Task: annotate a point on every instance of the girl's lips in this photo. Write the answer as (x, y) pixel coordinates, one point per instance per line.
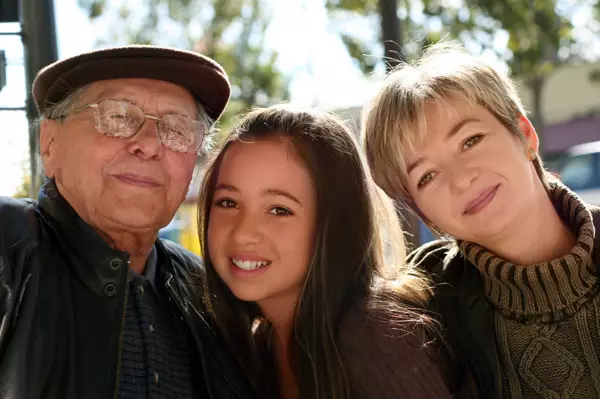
(248, 273)
(248, 256)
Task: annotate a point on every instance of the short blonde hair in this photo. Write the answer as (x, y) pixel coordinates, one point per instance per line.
(396, 118)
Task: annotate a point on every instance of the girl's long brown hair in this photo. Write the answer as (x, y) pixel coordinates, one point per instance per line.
(356, 229)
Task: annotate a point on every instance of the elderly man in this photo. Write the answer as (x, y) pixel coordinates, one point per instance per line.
(92, 305)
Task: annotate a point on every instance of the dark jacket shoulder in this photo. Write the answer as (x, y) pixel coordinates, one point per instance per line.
(189, 262)
(18, 221)
(387, 355)
(433, 257)
(469, 362)
(595, 211)
(19, 235)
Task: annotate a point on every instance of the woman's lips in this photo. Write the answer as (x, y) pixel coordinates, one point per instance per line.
(481, 201)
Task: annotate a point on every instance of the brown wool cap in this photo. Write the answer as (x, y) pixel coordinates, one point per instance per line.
(200, 75)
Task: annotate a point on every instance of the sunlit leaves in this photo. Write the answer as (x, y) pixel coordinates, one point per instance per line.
(229, 31)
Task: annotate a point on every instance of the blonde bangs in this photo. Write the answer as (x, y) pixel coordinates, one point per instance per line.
(392, 123)
(396, 119)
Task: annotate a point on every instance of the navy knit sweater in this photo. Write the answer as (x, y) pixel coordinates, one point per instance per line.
(155, 360)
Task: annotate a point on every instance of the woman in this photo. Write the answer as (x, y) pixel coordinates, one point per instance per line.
(448, 137)
(295, 275)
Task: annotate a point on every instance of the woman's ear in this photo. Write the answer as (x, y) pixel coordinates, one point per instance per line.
(531, 138)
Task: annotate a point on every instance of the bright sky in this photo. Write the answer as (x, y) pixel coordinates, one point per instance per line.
(323, 74)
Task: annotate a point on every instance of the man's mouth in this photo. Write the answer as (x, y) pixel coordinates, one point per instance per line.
(136, 180)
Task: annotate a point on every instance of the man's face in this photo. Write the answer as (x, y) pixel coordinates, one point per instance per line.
(131, 184)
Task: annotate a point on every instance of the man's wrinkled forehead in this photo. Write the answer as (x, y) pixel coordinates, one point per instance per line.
(139, 91)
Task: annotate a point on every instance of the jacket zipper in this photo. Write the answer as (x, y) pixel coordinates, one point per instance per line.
(120, 344)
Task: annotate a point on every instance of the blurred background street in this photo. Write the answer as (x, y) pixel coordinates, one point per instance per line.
(331, 54)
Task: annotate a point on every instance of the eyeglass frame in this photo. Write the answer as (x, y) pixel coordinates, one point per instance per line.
(145, 115)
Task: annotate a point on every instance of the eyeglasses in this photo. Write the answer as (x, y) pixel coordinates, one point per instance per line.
(122, 119)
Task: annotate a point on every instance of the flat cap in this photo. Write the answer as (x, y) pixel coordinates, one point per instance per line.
(204, 78)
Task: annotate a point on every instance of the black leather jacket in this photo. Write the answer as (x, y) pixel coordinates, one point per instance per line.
(62, 307)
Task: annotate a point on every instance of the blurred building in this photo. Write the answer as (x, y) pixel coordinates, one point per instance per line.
(183, 229)
(570, 107)
(570, 136)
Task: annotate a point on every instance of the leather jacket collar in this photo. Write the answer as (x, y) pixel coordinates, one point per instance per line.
(96, 264)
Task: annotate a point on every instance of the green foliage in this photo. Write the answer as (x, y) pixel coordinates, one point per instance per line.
(537, 31)
(23, 190)
(540, 33)
(95, 7)
(230, 31)
(357, 50)
(362, 7)
(367, 54)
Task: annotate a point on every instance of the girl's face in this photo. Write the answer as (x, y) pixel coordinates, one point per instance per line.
(262, 220)
(470, 176)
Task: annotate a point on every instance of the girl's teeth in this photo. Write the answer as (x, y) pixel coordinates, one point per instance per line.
(249, 265)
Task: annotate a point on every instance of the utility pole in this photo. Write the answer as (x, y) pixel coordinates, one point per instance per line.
(391, 34)
(391, 38)
(40, 49)
(9, 13)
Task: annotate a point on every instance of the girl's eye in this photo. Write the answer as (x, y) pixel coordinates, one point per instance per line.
(471, 141)
(425, 179)
(280, 211)
(225, 203)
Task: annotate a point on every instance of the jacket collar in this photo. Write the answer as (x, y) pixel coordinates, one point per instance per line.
(464, 301)
(101, 268)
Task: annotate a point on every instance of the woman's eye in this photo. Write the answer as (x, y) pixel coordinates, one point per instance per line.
(425, 179)
(225, 203)
(279, 211)
(471, 141)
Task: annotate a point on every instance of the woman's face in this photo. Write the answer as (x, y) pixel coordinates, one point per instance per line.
(262, 220)
(470, 176)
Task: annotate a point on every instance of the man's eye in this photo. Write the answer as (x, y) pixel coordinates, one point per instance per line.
(120, 119)
(180, 135)
(116, 116)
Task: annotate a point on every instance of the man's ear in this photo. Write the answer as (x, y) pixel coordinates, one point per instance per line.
(49, 146)
(531, 138)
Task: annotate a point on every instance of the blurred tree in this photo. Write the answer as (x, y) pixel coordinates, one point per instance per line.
(23, 191)
(540, 37)
(395, 41)
(344, 13)
(540, 33)
(390, 33)
(230, 31)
